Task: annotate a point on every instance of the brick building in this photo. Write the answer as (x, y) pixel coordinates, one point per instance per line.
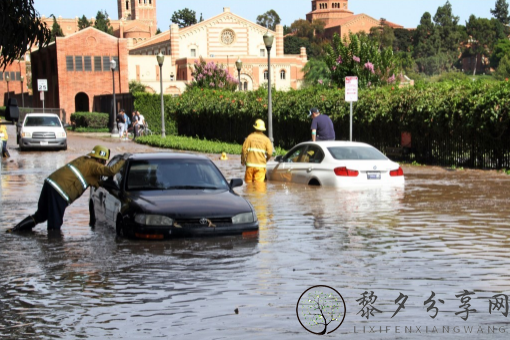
(77, 68)
(14, 72)
(338, 19)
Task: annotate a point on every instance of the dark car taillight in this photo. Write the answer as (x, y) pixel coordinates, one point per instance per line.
(343, 171)
(398, 172)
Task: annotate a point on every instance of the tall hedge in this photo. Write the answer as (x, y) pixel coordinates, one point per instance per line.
(467, 112)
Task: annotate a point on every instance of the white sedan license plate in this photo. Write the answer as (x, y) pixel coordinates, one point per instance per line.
(44, 143)
(373, 175)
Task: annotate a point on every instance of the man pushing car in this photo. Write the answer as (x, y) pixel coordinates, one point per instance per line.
(67, 184)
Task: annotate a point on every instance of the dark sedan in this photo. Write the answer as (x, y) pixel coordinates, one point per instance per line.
(163, 195)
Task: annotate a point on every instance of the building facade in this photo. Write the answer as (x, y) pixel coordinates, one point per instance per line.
(222, 39)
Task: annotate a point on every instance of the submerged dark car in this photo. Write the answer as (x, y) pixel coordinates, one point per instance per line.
(166, 195)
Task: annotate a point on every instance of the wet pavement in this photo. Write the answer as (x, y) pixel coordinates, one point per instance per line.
(444, 232)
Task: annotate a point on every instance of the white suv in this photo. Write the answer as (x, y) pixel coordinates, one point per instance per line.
(42, 131)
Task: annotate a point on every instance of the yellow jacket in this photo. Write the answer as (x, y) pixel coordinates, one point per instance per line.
(3, 133)
(257, 150)
(74, 178)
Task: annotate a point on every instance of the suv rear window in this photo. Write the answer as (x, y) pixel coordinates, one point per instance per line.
(42, 121)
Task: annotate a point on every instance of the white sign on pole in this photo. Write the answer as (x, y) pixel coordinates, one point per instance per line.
(42, 84)
(351, 89)
(41, 94)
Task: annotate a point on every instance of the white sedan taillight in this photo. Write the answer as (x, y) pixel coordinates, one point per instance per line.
(344, 172)
(398, 172)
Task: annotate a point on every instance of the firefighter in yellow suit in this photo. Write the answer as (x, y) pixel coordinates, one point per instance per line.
(67, 184)
(3, 141)
(257, 150)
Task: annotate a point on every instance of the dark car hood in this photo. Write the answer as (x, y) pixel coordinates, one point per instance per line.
(189, 203)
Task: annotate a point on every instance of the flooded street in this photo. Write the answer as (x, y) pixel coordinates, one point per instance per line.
(445, 232)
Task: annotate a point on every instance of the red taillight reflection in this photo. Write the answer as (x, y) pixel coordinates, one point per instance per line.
(398, 172)
(343, 171)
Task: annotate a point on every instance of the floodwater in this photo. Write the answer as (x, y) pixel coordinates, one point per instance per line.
(444, 232)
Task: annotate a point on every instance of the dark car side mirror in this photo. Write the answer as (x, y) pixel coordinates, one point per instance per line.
(235, 182)
(278, 159)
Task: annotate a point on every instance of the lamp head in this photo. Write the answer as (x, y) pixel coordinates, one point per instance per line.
(7, 78)
(113, 64)
(239, 64)
(161, 58)
(268, 39)
(22, 78)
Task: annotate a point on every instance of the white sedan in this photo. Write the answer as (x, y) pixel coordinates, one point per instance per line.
(335, 163)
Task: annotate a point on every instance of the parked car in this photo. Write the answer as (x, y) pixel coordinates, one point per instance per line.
(335, 163)
(166, 195)
(42, 131)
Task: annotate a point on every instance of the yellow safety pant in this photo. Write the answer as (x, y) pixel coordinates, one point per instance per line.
(255, 174)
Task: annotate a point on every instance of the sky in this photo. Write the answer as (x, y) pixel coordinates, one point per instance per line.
(403, 12)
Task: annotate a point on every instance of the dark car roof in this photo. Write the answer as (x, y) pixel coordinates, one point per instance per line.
(166, 155)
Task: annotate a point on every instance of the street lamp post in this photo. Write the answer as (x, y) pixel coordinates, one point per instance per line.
(161, 57)
(268, 41)
(239, 65)
(113, 66)
(7, 80)
(22, 97)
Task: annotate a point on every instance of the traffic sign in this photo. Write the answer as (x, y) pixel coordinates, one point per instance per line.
(351, 89)
(42, 84)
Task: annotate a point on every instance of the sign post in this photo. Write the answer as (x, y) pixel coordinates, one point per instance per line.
(351, 95)
(42, 86)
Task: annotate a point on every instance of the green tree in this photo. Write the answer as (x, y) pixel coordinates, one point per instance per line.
(83, 23)
(269, 19)
(500, 12)
(501, 48)
(482, 37)
(316, 72)
(503, 70)
(302, 28)
(136, 87)
(103, 22)
(425, 39)
(293, 44)
(21, 27)
(359, 55)
(383, 34)
(446, 25)
(403, 40)
(211, 75)
(158, 31)
(56, 30)
(184, 17)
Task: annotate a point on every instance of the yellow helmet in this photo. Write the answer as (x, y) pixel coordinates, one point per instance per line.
(100, 152)
(260, 125)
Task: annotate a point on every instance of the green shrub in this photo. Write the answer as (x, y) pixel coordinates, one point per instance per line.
(94, 120)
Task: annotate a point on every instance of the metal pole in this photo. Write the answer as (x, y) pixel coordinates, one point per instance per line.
(350, 125)
(22, 97)
(162, 106)
(239, 79)
(270, 102)
(114, 126)
(8, 90)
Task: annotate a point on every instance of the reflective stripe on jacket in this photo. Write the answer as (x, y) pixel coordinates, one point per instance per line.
(257, 149)
(3, 133)
(74, 178)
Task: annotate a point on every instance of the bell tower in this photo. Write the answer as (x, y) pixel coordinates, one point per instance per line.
(329, 10)
(138, 10)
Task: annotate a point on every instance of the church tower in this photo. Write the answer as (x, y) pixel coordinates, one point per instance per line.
(328, 10)
(144, 10)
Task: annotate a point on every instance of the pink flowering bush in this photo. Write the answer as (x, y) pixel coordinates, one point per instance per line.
(358, 55)
(211, 75)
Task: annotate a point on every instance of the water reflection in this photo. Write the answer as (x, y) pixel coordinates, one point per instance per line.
(445, 231)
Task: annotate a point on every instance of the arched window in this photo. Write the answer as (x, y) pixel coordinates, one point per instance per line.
(245, 86)
(282, 74)
(266, 75)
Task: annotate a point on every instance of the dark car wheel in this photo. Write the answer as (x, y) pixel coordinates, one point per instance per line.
(120, 228)
(92, 212)
(64, 148)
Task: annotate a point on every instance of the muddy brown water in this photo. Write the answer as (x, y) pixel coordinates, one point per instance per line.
(444, 232)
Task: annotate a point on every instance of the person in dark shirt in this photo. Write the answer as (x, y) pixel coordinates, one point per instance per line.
(322, 126)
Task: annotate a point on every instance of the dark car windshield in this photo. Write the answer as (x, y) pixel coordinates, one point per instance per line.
(42, 121)
(356, 153)
(168, 174)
